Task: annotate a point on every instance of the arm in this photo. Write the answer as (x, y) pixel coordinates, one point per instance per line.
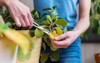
(19, 12)
(84, 9)
(82, 25)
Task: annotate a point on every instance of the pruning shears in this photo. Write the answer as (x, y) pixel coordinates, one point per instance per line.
(41, 28)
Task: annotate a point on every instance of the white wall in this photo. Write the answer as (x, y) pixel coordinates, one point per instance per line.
(28, 3)
(88, 49)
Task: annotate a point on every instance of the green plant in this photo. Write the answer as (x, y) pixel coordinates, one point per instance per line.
(94, 19)
(50, 21)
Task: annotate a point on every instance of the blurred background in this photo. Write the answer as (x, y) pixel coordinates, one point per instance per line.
(91, 38)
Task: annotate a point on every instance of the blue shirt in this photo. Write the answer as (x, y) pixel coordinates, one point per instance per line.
(65, 9)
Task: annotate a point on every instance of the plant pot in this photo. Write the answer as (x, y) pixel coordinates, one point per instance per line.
(8, 50)
(97, 57)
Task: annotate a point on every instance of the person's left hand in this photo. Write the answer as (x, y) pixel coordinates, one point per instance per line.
(65, 40)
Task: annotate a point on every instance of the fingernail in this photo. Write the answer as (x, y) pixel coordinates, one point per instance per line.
(19, 25)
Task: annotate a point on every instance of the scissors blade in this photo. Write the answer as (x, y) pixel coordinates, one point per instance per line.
(41, 28)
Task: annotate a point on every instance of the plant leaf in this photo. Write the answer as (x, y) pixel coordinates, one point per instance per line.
(46, 40)
(38, 33)
(98, 9)
(38, 21)
(54, 7)
(46, 22)
(31, 33)
(48, 18)
(46, 9)
(53, 15)
(44, 46)
(36, 14)
(43, 58)
(55, 56)
(52, 48)
(61, 22)
(98, 30)
(58, 30)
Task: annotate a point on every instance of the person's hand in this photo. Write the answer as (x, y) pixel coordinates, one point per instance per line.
(65, 40)
(20, 13)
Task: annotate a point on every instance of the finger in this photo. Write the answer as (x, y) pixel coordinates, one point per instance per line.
(22, 22)
(26, 20)
(63, 36)
(30, 20)
(17, 22)
(51, 39)
(62, 44)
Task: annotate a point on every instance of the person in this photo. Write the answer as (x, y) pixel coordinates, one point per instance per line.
(70, 47)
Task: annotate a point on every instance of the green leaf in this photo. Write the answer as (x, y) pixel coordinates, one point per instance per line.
(46, 9)
(94, 25)
(48, 18)
(53, 15)
(3, 28)
(55, 56)
(38, 21)
(46, 22)
(36, 14)
(6, 14)
(52, 48)
(43, 58)
(98, 9)
(31, 33)
(46, 40)
(44, 46)
(38, 33)
(98, 31)
(54, 7)
(61, 22)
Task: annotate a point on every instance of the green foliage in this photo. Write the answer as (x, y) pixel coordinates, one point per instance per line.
(61, 22)
(44, 57)
(49, 20)
(38, 33)
(94, 18)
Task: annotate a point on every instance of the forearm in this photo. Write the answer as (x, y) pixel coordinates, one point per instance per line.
(82, 25)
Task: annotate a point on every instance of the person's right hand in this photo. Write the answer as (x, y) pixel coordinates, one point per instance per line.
(20, 13)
